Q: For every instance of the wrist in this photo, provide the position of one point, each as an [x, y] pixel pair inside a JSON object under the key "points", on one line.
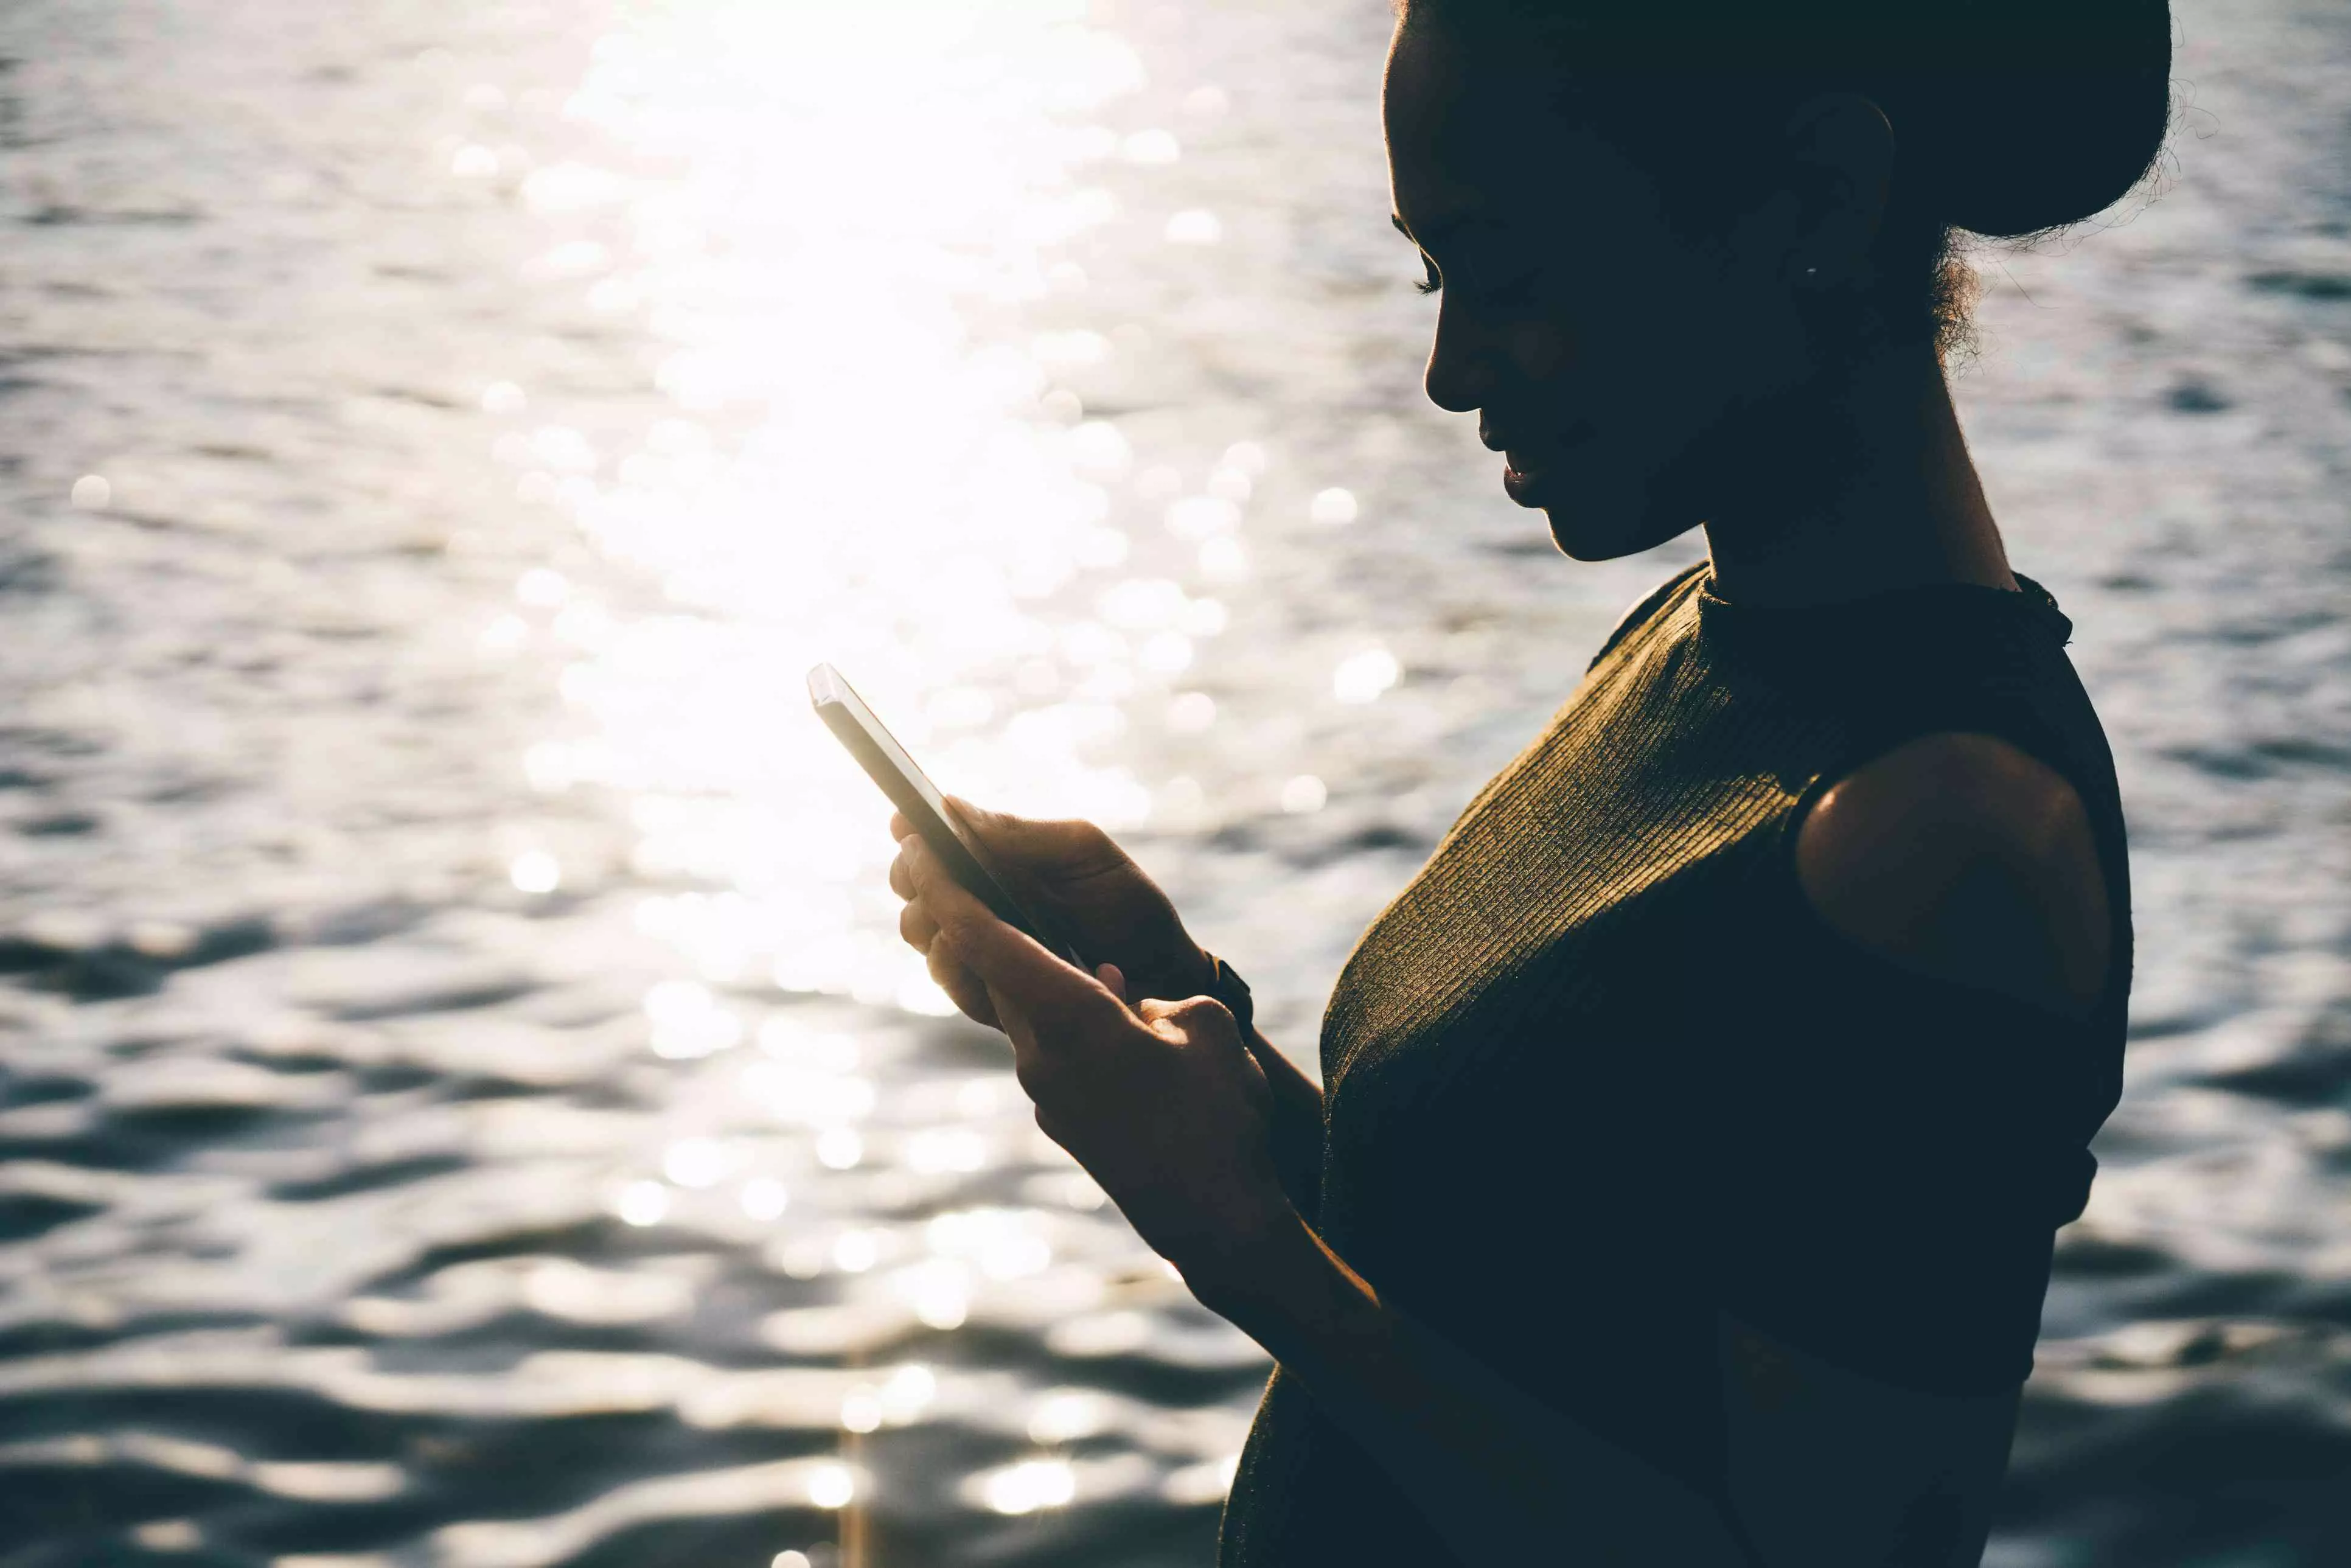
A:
{"points": [[1259, 1272]]}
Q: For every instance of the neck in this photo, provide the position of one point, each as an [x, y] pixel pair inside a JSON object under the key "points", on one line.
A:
{"points": [[1892, 501]]}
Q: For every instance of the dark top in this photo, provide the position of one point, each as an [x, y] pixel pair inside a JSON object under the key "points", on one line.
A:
{"points": [[1600, 1071]]}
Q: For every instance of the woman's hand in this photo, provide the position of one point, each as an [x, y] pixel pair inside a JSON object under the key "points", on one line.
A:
{"points": [[1161, 1103], [1084, 883]]}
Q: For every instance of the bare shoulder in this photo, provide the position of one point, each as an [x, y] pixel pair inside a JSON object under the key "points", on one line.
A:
{"points": [[1964, 857]]}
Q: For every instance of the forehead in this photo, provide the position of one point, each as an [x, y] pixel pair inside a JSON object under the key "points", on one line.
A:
{"points": [[1492, 144], [1470, 133]]}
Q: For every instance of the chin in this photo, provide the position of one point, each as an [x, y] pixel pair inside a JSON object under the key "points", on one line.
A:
{"points": [[1571, 530], [1591, 529], [1607, 511]]}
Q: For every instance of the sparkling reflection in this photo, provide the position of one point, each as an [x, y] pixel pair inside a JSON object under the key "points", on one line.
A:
{"points": [[643, 1203], [1029, 1485], [873, 481]]}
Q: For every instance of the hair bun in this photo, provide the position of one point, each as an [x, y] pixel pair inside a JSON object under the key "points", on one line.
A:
{"points": [[2051, 129], [2013, 115]]}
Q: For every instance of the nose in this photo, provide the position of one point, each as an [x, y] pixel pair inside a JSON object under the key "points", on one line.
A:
{"points": [[1462, 362]]}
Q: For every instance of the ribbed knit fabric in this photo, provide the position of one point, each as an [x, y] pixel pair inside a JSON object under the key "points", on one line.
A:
{"points": [[1600, 1072]]}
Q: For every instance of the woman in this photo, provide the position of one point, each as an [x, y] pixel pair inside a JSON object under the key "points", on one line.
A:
{"points": [[1694, 1128]]}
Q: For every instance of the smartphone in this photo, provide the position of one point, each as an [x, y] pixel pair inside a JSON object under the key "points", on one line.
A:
{"points": [[919, 801]]}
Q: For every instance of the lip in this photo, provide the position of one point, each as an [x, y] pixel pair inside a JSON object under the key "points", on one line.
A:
{"points": [[1527, 468], [1523, 486]]}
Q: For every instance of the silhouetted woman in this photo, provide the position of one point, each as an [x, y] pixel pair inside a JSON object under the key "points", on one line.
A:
{"points": [[1695, 1125]]}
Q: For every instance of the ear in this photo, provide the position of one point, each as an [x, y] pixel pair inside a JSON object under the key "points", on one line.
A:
{"points": [[1840, 166]]}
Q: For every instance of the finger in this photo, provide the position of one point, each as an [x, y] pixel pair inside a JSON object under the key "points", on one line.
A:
{"points": [[916, 928], [963, 988], [996, 951], [1009, 962], [899, 827], [902, 879], [1112, 981]]}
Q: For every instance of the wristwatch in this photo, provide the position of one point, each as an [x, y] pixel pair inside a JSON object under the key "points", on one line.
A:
{"points": [[1233, 991]]}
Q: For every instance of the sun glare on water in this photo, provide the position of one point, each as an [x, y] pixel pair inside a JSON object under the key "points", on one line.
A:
{"points": [[828, 220]]}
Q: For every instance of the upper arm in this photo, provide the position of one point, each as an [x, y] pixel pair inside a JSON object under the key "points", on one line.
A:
{"points": [[1961, 856], [1827, 1468]]}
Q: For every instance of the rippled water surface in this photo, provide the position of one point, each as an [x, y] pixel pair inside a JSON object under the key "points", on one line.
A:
{"points": [[464, 1104]]}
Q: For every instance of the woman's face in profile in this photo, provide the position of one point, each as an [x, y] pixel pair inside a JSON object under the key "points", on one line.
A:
{"points": [[1610, 358]]}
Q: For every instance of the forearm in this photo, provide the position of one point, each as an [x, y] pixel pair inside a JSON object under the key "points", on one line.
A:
{"points": [[1501, 1476], [1297, 1125]]}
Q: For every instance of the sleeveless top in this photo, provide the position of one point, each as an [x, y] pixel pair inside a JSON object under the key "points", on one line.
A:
{"points": [[1600, 1071]]}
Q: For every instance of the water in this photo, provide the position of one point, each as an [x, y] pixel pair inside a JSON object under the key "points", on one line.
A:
{"points": [[463, 1101]]}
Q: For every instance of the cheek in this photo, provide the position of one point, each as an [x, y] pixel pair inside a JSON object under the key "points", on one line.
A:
{"points": [[1680, 354], [1661, 384], [1537, 350]]}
